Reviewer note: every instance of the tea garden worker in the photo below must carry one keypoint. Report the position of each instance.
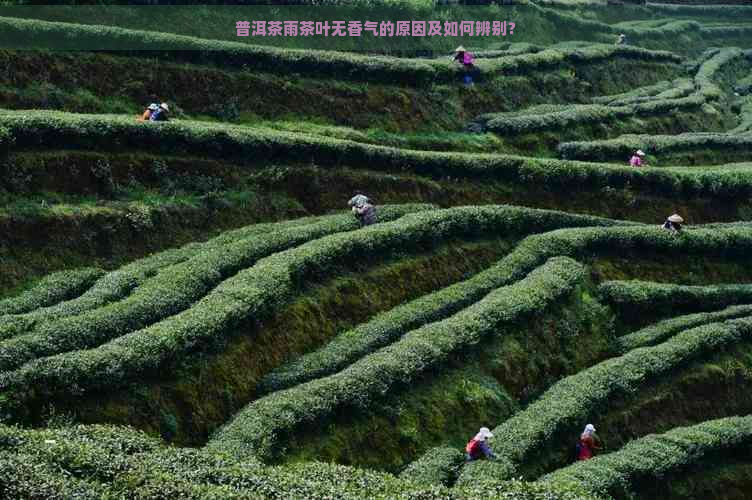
(478, 446)
(466, 58)
(366, 214)
(673, 223)
(358, 199)
(589, 443)
(161, 114)
(637, 159)
(148, 112)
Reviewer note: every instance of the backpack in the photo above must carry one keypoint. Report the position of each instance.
(473, 447)
(468, 58)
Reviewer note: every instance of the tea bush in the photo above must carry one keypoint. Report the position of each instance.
(259, 428)
(655, 455)
(52, 289)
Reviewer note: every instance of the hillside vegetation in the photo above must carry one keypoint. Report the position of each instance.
(188, 309)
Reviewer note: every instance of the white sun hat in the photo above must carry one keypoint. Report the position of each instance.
(640, 152)
(676, 218)
(484, 433)
(164, 106)
(153, 106)
(460, 49)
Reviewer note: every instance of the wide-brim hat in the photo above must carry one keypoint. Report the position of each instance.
(460, 49)
(676, 218)
(153, 106)
(640, 152)
(164, 106)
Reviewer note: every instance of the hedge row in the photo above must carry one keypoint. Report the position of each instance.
(662, 330)
(439, 468)
(252, 293)
(111, 287)
(52, 289)
(259, 429)
(711, 72)
(655, 455)
(677, 98)
(39, 130)
(639, 298)
(681, 87)
(166, 294)
(582, 114)
(657, 145)
(638, 93)
(382, 330)
(729, 240)
(23, 33)
(116, 285)
(708, 10)
(568, 404)
(745, 117)
(96, 462)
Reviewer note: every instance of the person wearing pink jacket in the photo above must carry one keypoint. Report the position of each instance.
(637, 158)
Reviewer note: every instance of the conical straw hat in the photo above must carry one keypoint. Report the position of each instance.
(676, 218)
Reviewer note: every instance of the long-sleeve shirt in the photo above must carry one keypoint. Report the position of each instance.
(367, 214)
(484, 448)
(635, 161)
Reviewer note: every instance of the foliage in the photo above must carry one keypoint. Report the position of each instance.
(439, 467)
(118, 284)
(657, 145)
(164, 295)
(568, 404)
(623, 106)
(655, 455)
(52, 289)
(93, 462)
(259, 428)
(23, 33)
(349, 346)
(258, 145)
(636, 298)
(661, 331)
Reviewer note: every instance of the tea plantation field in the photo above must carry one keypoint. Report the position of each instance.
(188, 309)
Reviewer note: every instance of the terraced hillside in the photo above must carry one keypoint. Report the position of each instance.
(189, 310)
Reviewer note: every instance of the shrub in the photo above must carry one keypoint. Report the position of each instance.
(657, 145)
(259, 428)
(625, 106)
(23, 33)
(50, 290)
(638, 298)
(572, 400)
(166, 294)
(351, 345)
(94, 462)
(439, 467)
(116, 285)
(260, 145)
(655, 455)
(661, 331)
(252, 293)
(579, 114)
